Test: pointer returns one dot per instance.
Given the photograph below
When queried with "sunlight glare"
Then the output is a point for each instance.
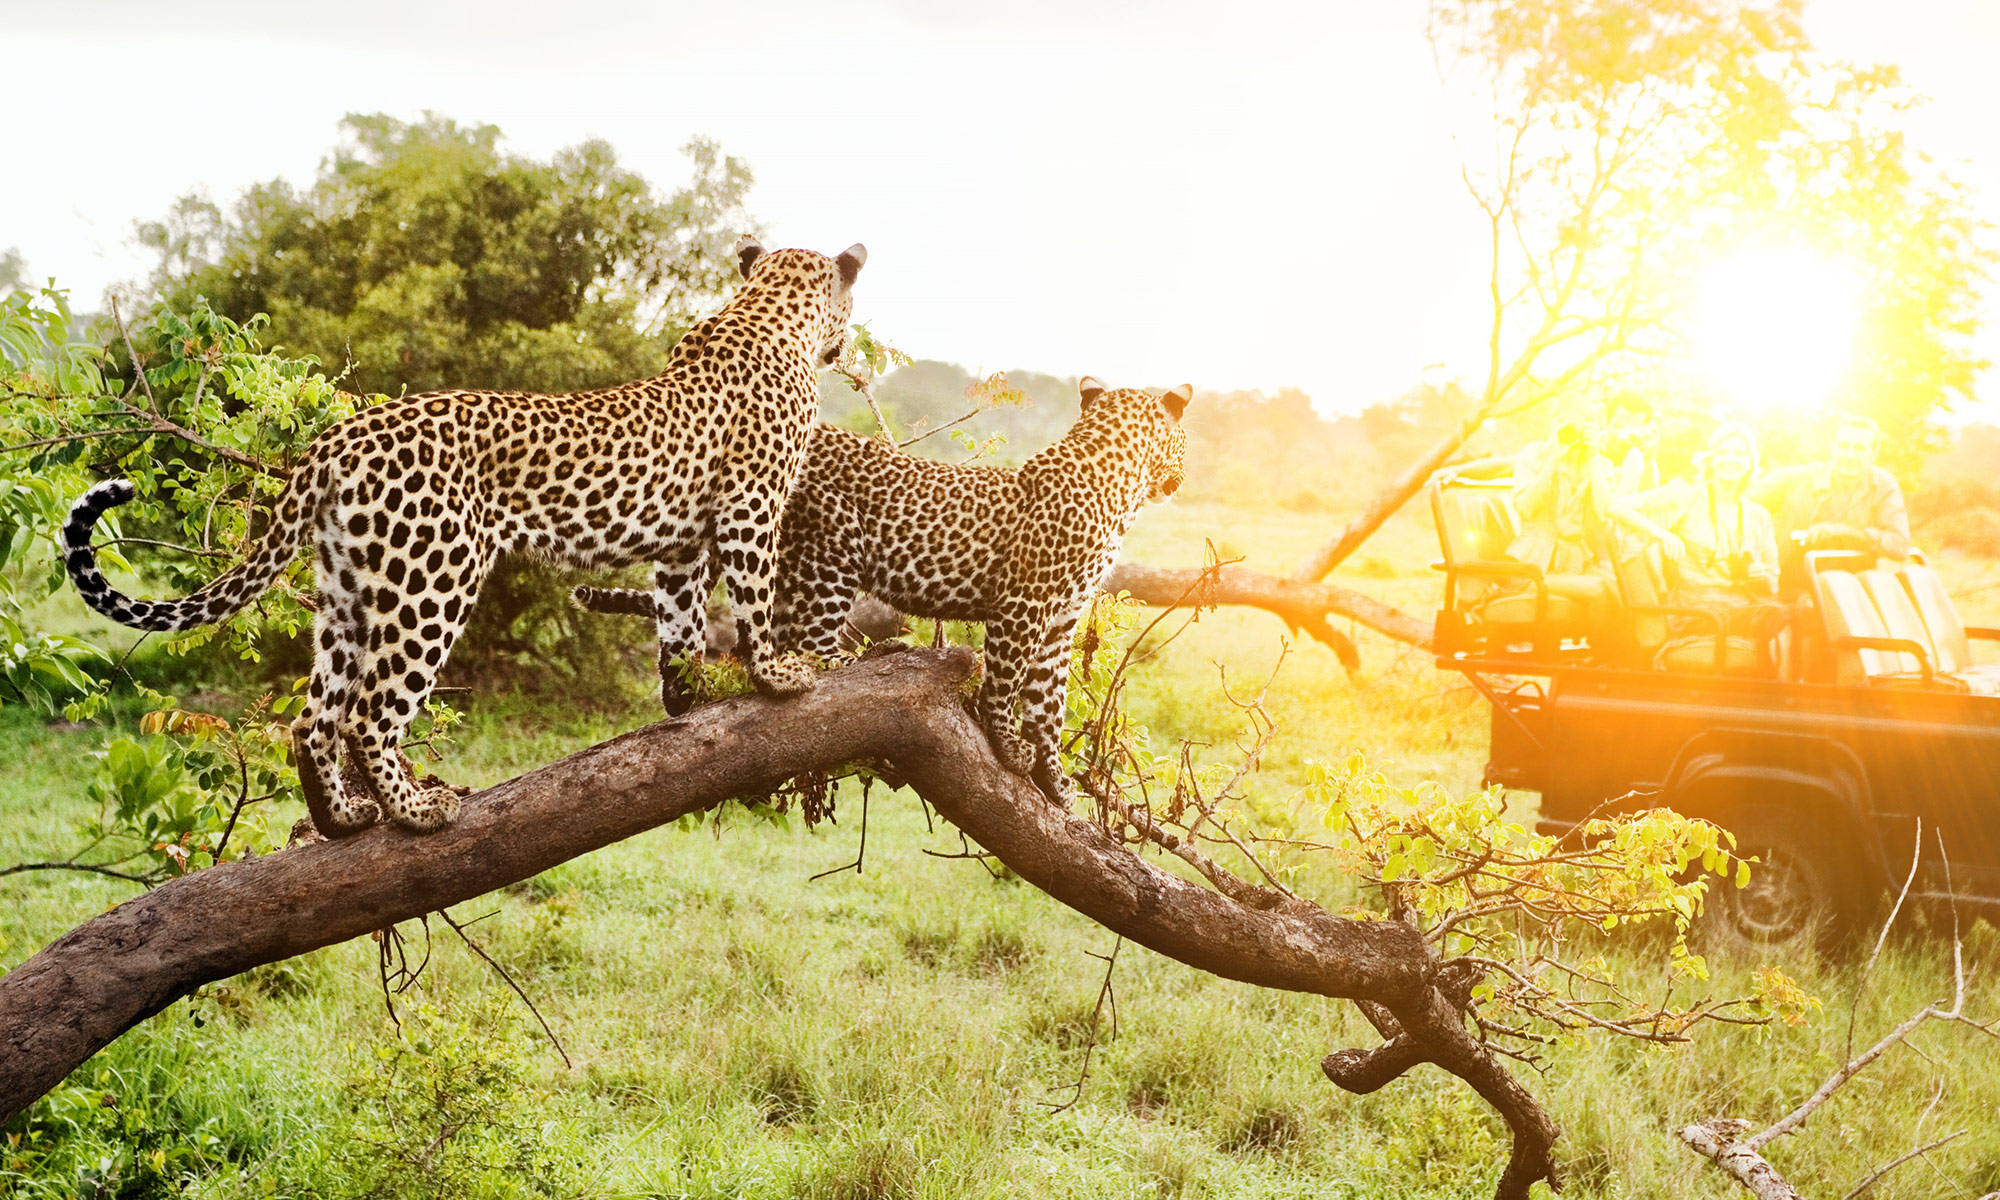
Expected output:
(1774, 328)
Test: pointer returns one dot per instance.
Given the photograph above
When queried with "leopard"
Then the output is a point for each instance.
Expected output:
(409, 502)
(1020, 549)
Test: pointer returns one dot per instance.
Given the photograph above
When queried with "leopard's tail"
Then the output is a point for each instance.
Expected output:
(623, 602)
(229, 593)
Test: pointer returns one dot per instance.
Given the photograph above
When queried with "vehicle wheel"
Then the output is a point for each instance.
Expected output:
(1802, 893)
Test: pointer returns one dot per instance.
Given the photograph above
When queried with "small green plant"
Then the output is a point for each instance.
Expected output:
(440, 1106)
(192, 790)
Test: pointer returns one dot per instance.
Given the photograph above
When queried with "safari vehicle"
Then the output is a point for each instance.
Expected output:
(1606, 700)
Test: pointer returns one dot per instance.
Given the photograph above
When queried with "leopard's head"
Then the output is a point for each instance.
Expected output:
(829, 280)
(1148, 423)
(1169, 468)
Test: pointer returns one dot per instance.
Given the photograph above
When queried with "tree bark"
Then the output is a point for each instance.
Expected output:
(1716, 1140)
(1304, 604)
(115, 970)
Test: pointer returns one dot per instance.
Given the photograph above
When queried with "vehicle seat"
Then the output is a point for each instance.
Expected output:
(1696, 652)
(1578, 601)
(1642, 574)
(1898, 613)
(1944, 631)
(1850, 612)
(1494, 597)
(1475, 525)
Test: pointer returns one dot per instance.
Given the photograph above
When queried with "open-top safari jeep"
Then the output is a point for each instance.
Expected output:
(1605, 699)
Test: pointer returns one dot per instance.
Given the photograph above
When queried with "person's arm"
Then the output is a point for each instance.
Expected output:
(1763, 547)
(1625, 510)
(1535, 482)
(1889, 524)
(1651, 515)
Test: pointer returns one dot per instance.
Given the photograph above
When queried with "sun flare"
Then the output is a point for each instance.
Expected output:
(1774, 328)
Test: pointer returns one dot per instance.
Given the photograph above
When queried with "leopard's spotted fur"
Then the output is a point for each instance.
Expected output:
(409, 503)
(1021, 549)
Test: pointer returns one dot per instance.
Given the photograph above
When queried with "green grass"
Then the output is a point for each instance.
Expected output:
(738, 1029)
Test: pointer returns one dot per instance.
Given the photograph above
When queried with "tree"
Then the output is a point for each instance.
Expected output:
(1618, 145)
(423, 257)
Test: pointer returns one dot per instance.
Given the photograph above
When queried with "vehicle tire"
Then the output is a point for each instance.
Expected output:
(1804, 890)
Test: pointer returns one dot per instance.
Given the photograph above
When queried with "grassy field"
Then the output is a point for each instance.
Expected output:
(736, 1028)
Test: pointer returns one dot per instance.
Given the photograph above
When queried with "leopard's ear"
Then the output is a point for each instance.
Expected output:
(850, 262)
(748, 251)
(1176, 401)
(1089, 389)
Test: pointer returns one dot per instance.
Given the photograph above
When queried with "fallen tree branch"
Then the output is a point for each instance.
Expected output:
(117, 969)
(1306, 605)
(1717, 1139)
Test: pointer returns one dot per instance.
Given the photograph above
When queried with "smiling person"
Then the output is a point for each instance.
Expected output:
(1728, 551)
(1844, 503)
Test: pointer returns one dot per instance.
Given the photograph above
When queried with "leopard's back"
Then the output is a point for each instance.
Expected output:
(925, 537)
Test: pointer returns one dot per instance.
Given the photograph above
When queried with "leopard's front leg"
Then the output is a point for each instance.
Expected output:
(746, 543)
(1008, 641)
(1044, 696)
(681, 584)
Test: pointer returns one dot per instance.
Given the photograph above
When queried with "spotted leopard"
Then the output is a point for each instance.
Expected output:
(1021, 549)
(410, 502)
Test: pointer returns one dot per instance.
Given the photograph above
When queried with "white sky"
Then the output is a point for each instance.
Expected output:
(1233, 194)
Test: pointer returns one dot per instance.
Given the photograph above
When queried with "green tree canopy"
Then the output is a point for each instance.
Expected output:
(424, 256)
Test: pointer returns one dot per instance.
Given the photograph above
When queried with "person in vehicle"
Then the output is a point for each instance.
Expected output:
(1719, 543)
(1844, 503)
(1631, 441)
(1570, 490)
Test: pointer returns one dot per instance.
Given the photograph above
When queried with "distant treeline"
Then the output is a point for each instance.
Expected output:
(1276, 450)
(1242, 445)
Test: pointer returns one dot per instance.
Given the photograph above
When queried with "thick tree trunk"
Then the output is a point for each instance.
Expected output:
(97, 981)
(1304, 604)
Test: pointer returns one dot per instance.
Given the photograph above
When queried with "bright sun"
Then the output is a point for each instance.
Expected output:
(1774, 328)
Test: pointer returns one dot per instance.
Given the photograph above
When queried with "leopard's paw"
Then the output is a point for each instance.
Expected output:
(1056, 785)
(1012, 752)
(791, 675)
(457, 789)
(884, 648)
(676, 696)
(431, 809)
(348, 815)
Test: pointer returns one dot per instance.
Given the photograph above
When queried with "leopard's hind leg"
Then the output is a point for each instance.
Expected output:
(1009, 642)
(340, 634)
(682, 581)
(816, 591)
(412, 634)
